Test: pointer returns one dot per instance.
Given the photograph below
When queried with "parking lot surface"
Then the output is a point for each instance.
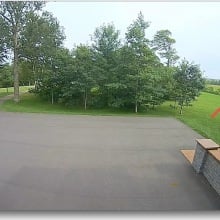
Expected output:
(99, 163)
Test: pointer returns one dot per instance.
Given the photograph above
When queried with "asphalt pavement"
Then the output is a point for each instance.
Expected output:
(99, 163)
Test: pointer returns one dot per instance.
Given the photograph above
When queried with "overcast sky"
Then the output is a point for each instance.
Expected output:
(194, 25)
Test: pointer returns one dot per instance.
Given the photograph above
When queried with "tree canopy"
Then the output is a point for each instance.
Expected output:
(188, 83)
(134, 72)
(13, 16)
(163, 44)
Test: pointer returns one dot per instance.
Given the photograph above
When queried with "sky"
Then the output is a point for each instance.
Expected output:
(194, 25)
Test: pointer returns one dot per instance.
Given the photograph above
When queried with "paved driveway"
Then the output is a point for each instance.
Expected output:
(56, 162)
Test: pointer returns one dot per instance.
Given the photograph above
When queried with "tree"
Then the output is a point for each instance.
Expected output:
(105, 44)
(84, 68)
(163, 44)
(25, 76)
(14, 15)
(105, 40)
(3, 41)
(53, 84)
(136, 41)
(140, 61)
(188, 83)
(157, 85)
(137, 83)
(40, 41)
(6, 76)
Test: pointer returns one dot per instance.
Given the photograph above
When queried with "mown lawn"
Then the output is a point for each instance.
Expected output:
(3, 91)
(215, 87)
(196, 116)
(33, 104)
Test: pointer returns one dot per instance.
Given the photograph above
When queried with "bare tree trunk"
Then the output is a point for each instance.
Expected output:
(175, 104)
(15, 69)
(52, 99)
(181, 110)
(85, 99)
(136, 102)
(136, 107)
(33, 69)
(168, 62)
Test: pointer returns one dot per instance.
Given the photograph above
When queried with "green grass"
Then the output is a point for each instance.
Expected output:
(33, 104)
(3, 91)
(215, 87)
(196, 116)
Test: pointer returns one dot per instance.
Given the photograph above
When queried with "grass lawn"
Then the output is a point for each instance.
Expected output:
(33, 104)
(196, 116)
(215, 87)
(3, 91)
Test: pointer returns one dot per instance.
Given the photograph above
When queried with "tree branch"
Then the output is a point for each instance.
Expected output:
(6, 18)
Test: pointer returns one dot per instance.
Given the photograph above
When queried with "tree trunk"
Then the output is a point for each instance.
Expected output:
(33, 69)
(136, 107)
(15, 69)
(175, 104)
(52, 101)
(168, 62)
(181, 110)
(136, 91)
(85, 99)
(7, 89)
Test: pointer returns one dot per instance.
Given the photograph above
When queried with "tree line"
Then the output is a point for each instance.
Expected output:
(213, 81)
(134, 72)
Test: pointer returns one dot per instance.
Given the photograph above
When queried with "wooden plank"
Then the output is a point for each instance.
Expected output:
(188, 154)
(207, 144)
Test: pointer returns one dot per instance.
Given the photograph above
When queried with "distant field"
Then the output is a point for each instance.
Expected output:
(3, 91)
(196, 116)
(213, 86)
(213, 89)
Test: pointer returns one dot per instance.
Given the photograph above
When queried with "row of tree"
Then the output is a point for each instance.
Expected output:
(131, 73)
(213, 81)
